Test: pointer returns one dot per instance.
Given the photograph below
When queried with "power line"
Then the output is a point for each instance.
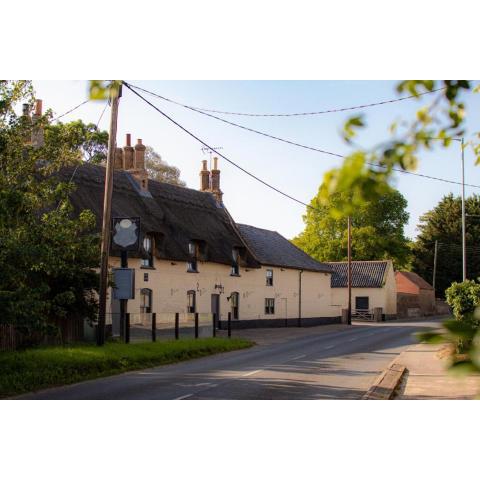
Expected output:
(216, 152)
(296, 144)
(101, 115)
(70, 111)
(297, 114)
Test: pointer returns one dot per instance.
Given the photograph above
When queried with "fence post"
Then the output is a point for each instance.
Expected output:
(154, 327)
(127, 328)
(214, 325)
(229, 322)
(196, 325)
(177, 329)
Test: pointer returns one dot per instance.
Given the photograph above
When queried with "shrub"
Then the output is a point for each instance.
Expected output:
(464, 298)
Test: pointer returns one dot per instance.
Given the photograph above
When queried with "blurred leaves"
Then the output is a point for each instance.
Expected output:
(103, 89)
(365, 171)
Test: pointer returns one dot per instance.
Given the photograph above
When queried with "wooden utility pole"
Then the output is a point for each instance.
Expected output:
(435, 264)
(349, 270)
(107, 208)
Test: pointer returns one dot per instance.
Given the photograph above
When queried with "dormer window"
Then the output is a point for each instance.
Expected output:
(235, 258)
(193, 253)
(147, 253)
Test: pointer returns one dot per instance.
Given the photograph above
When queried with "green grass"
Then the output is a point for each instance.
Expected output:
(43, 367)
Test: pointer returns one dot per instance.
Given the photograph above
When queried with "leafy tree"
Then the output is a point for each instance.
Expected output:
(444, 224)
(377, 230)
(160, 170)
(90, 142)
(48, 256)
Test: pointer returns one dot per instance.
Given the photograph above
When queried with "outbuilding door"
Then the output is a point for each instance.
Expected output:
(361, 303)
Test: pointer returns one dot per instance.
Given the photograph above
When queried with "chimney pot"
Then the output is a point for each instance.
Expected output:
(26, 109)
(215, 163)
(129, 140)
(139, 141)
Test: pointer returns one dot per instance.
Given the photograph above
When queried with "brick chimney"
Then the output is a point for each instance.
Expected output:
(139, 155)
(118, 159)
(204, 177)
(132, 160)
(215, 181)
(37, 130)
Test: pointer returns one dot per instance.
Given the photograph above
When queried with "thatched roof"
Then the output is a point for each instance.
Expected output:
(270, 248)
(174, 215)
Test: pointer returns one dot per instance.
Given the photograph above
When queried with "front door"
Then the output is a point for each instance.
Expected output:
(216, 307)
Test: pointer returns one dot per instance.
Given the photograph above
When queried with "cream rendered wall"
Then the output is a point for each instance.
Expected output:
(385, 297)
(169, 282)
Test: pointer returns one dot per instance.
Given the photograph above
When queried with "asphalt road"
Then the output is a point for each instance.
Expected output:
(338, 364)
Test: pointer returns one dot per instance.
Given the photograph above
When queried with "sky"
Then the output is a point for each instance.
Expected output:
(297, 171)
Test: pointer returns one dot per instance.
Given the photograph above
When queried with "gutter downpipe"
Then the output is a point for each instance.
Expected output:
(300, 298)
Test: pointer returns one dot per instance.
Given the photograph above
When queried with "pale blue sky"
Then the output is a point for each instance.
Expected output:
(297, 171)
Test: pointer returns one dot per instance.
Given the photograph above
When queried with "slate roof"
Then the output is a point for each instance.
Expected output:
(270, 248)
(174, 215)
(368, 274)
(416, 279)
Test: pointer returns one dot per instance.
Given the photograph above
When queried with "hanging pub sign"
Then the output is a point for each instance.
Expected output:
(126, 233)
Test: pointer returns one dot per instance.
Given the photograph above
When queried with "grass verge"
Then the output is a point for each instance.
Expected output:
(43, 367)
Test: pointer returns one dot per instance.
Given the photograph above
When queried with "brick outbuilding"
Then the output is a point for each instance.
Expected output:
(415, 296)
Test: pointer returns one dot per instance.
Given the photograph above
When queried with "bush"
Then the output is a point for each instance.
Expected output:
(464, 299)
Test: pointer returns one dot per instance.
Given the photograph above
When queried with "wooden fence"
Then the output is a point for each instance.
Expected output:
(70, 330)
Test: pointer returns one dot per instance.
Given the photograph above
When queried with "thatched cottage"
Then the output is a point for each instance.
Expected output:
(195, 258)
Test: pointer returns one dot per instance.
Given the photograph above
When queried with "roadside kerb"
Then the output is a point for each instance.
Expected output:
(386, 383)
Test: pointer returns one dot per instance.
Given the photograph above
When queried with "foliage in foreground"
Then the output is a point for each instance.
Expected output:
(48, 255)
(463, 332)
(37, 368)
(366, 173)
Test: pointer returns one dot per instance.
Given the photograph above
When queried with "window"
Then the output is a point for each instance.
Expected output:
(193, 253)
(235, 267)
(191, 301)
(147, 254)
(234, 298)
(269, 306)
(269, 276)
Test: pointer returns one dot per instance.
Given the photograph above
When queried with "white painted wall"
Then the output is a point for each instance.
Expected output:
(170, 282)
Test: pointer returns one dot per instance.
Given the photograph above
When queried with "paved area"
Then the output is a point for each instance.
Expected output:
(427, 377)
(331, 362)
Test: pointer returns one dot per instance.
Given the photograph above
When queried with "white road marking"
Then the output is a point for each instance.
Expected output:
(184, 396)
(352, 339)
(329, 346)
(299, 357)
(251, 373)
